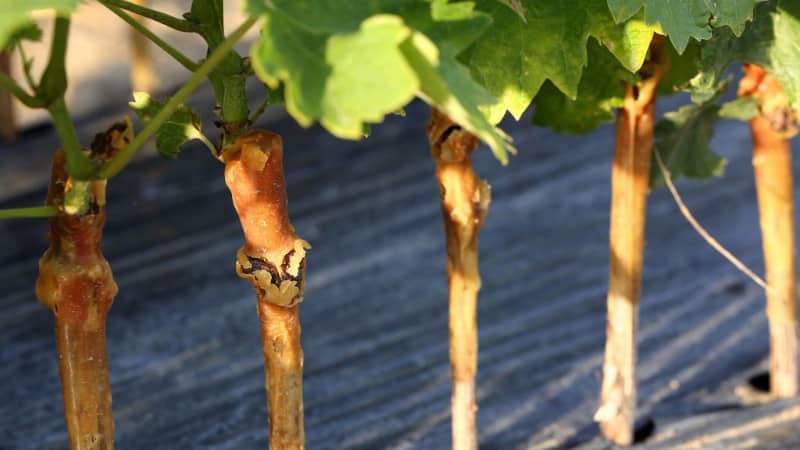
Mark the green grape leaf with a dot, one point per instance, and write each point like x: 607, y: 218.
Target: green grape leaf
x: 683, y: 20
x: 514, y: 58
x: 447, y: 85
x: 183, y: 126
x: 733, y: 13
x: 682, y: 139
x: 452, y: 25
x: 317, y: 16
x: 769, y: 41
x: 346, y: 78
x: 743, y: 109
x: 628, y: 41
x: 682, y: 68
x: 341, y: 80
x: 15, y: 17
x: 600, y: 91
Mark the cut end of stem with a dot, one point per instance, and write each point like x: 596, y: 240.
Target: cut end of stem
x: 773, y: 105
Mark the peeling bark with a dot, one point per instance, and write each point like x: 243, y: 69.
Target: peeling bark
x: 465, y: 201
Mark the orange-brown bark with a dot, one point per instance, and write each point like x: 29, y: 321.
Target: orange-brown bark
x: 630, y: 182
x: 772, y: 162
x: 76, y: 283
x: 273, y: 260
x: 465, y: 201
x: 283, y: 356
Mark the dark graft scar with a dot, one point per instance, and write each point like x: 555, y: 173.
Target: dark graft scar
x: 257, y: 264
x: 446, y: 134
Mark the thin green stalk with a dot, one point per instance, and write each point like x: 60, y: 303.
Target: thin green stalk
x: 53, y: 84
x: 17, y: 91
x: 118, y: 162
x: 260, y: 110
x: 163, y: 45
x: 30, y: 212
x: 51, y: 91
x: 79, y: 166
x: 156, y: 16
x: 209, y: 17
x: 229, y: 76
x: 209, y: 145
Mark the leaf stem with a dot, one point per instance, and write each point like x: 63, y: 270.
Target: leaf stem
x: 29, y: 212
x: 163, y: 45
x: 207, y: 142
x: 26, y: 67
x: 260, y: 110
x: 79, y: 166
x: 156, y: 16
x: 53, y: 84
x: 118, y: 162
x: 17, y: 91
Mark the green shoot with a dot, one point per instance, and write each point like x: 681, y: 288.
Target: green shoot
x: 29, y: 212
x: 118, y: 162
x: 156, y: 16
